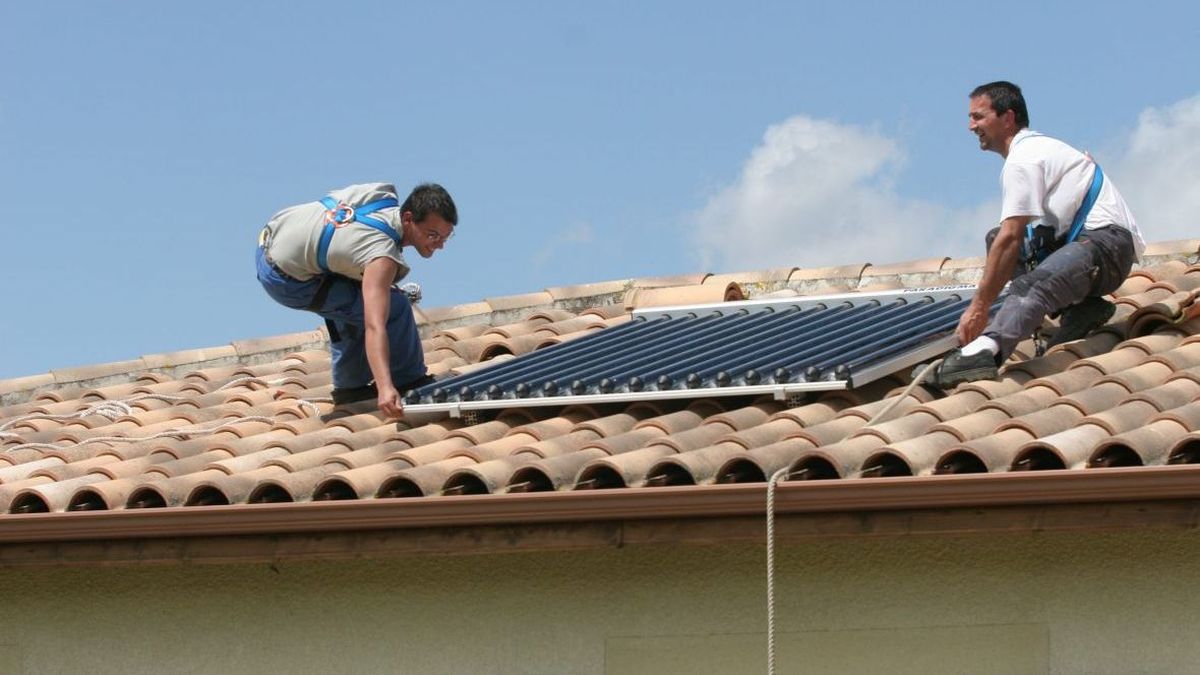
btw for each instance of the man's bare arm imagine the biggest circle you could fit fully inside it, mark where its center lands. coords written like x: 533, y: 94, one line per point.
x: 377, y: 295
x: 1001, y: 260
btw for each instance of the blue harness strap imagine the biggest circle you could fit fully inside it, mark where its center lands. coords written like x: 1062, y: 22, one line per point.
x: 1086, y: 207
x: 339, y: 214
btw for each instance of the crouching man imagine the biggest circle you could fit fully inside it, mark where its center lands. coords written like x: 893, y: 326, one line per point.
x: 1084, y: 247
x: 339, y: 257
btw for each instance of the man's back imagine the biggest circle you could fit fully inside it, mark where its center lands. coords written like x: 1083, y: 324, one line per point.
x: 1047, y: 179
x: 296, y: 231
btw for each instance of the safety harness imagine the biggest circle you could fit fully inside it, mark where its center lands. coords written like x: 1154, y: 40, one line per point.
x: 1042, y: 240
x: 340, y: 214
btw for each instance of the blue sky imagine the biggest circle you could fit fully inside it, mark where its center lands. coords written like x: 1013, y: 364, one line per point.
x: 143, y: 144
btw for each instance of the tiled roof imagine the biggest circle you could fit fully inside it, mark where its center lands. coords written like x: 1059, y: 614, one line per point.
x: 252, y: 422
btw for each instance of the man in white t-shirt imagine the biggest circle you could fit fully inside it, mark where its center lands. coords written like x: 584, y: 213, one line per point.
x: 1048, y: 183
x: 339, y: 257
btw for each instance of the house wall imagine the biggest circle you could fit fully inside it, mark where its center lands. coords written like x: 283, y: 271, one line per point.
x: 1016, y: 603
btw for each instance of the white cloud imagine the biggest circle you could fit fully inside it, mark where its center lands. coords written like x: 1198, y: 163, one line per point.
x: 816, y: 193
x: 1160, y: 170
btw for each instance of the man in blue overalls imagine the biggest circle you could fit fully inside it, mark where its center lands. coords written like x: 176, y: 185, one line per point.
x: 340, y: 257
x: 1083, y: 248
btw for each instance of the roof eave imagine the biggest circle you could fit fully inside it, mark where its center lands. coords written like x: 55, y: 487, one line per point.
x: 875, y: 506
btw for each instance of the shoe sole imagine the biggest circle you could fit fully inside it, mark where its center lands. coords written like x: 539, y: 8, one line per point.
x: 972, y: 375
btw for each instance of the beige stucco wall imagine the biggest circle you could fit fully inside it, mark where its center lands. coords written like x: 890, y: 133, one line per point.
x: 1050, y: 603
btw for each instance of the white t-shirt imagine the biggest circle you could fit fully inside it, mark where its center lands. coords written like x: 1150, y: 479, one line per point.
x: 296, y: 231
x: 1046, y: 179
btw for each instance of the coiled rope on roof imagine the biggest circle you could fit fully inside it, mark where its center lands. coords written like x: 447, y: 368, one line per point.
x: 114, y: 409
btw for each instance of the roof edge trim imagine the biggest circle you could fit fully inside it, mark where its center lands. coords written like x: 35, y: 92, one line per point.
x: 1113, y: 485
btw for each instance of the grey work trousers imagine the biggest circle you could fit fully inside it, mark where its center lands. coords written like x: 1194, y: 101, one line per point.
x: 1095, y: 264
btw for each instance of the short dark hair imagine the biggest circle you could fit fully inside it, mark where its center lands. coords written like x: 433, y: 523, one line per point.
x: 1005, y: 96
x: 429, y: 198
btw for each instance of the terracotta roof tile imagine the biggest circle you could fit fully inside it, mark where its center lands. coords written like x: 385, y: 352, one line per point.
x: 457, y: 313
x: 360, y: 483
x: 846, y: 457
x: 901, y: 275
x: 421, y: 481
x: 1007, y: 383
x: 993, y: 452
x: 694, y: 467
x: 361, y: 456
x: 553, y: 473
x: 50, y: 496
x: 921, y: 453
x: 974, y: 425
x: 625, y: 470
x: 1143, y: 446
x: 831, y: 431
x: 759, y: 464
x: 1186, y: 450
x: 851, y: 274
x: 292, y: 341
x: 671, y: 280
x: 487, y: 477
x: 464, y: 332
x: 904, y: 428
x: 587, y: 291
x: 27, y: 383
x: 297, y: 486
x: 1186, y: 247
x: 641, y: 298
x: 954, y: 265
x: 511, y: 302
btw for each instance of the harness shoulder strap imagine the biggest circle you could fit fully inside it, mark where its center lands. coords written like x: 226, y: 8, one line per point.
x: 341, y: 214
x: 1089, y: 200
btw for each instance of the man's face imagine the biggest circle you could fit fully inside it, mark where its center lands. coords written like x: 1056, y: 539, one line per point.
x: 994, y: 131
x: 427, y: 236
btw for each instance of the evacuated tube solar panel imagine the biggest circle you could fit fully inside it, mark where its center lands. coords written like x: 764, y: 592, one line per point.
x: 716, y: 347
x: 869, y: 342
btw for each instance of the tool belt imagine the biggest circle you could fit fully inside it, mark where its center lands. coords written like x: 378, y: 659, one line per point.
x: 1040, y: 241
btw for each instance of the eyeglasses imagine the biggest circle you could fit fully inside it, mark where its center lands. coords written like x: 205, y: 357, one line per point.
x: 434, y: 236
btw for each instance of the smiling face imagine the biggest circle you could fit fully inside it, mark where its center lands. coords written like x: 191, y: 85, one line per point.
x: 995, y: 132
x: 428, y: 235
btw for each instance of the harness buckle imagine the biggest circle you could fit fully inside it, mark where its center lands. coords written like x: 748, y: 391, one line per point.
x: 342, y: 214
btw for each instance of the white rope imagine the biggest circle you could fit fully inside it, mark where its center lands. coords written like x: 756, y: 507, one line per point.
x: 780, y: 475
x: 110, y: 409
x: 252, y: 378
x: 114, y: 409
x: 187, y: 432
x: 771, y: 568
x: 310, y: 406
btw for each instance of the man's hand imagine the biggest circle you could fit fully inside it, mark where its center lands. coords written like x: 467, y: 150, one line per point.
x: 390, y: 403
x: 972, y: 323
